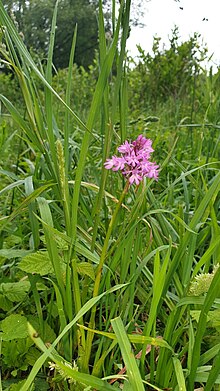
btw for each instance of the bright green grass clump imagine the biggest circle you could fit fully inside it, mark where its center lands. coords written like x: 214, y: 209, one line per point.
x: 102, y: 273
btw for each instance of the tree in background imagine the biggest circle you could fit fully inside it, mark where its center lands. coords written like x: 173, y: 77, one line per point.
x: 168, y: 72
x: 34, y: 17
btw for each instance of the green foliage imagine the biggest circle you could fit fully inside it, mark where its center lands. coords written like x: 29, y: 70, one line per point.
x: 15, y: 291
x: 83, y: 84
x: 86, y: 269
x: 167, y: 74
x: 10, y: 88
x: 38, y: 385
x: 14, y: 355
x: 105, y: 275
x: 38, y: 262
x: 13, y: 327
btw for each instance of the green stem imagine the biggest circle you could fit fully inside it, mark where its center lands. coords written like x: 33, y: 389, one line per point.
x: 90, y: 334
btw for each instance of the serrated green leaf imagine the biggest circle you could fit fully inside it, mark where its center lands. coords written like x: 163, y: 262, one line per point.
x: 32, y: 355
x: 86, y: 268
x: 38, y: 262
x: 14, y: 352
x: 5, y: 304
x: 15, y: 291
x: 14, y: 327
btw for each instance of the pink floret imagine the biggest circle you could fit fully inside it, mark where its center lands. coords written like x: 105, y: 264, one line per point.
x: 142, y: 143
x: 115, y: 163
x: 151, y: 170
x: 132, y: 159
x: 125, y: 148
x: 135, y: 177
x: 109, y: 164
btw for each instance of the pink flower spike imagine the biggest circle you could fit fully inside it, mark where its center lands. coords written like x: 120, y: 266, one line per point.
x: 134, y: 162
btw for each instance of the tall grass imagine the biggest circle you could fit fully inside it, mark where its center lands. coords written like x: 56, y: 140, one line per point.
x: 123, y: 261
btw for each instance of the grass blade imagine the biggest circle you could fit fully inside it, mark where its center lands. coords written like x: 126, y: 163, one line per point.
x: 128, y: 357
x: 179, y: 374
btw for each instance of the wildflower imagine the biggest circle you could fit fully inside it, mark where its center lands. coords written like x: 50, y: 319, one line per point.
x: 202, y: 282
x: 134, y: 161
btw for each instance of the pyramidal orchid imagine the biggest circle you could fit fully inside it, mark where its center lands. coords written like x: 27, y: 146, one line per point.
x: 134, y: 162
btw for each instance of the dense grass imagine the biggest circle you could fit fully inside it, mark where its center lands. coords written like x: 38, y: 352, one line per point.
x: 95, y: 276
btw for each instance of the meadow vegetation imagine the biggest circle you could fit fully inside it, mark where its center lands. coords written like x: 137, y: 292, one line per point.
x: 106, y: 285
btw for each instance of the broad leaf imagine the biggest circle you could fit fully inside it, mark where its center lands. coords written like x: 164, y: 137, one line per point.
x: 15, y: 291
x: 14, y: 327
x: 38, y: 262
x: 86, y: 268
x: 5, y: 304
